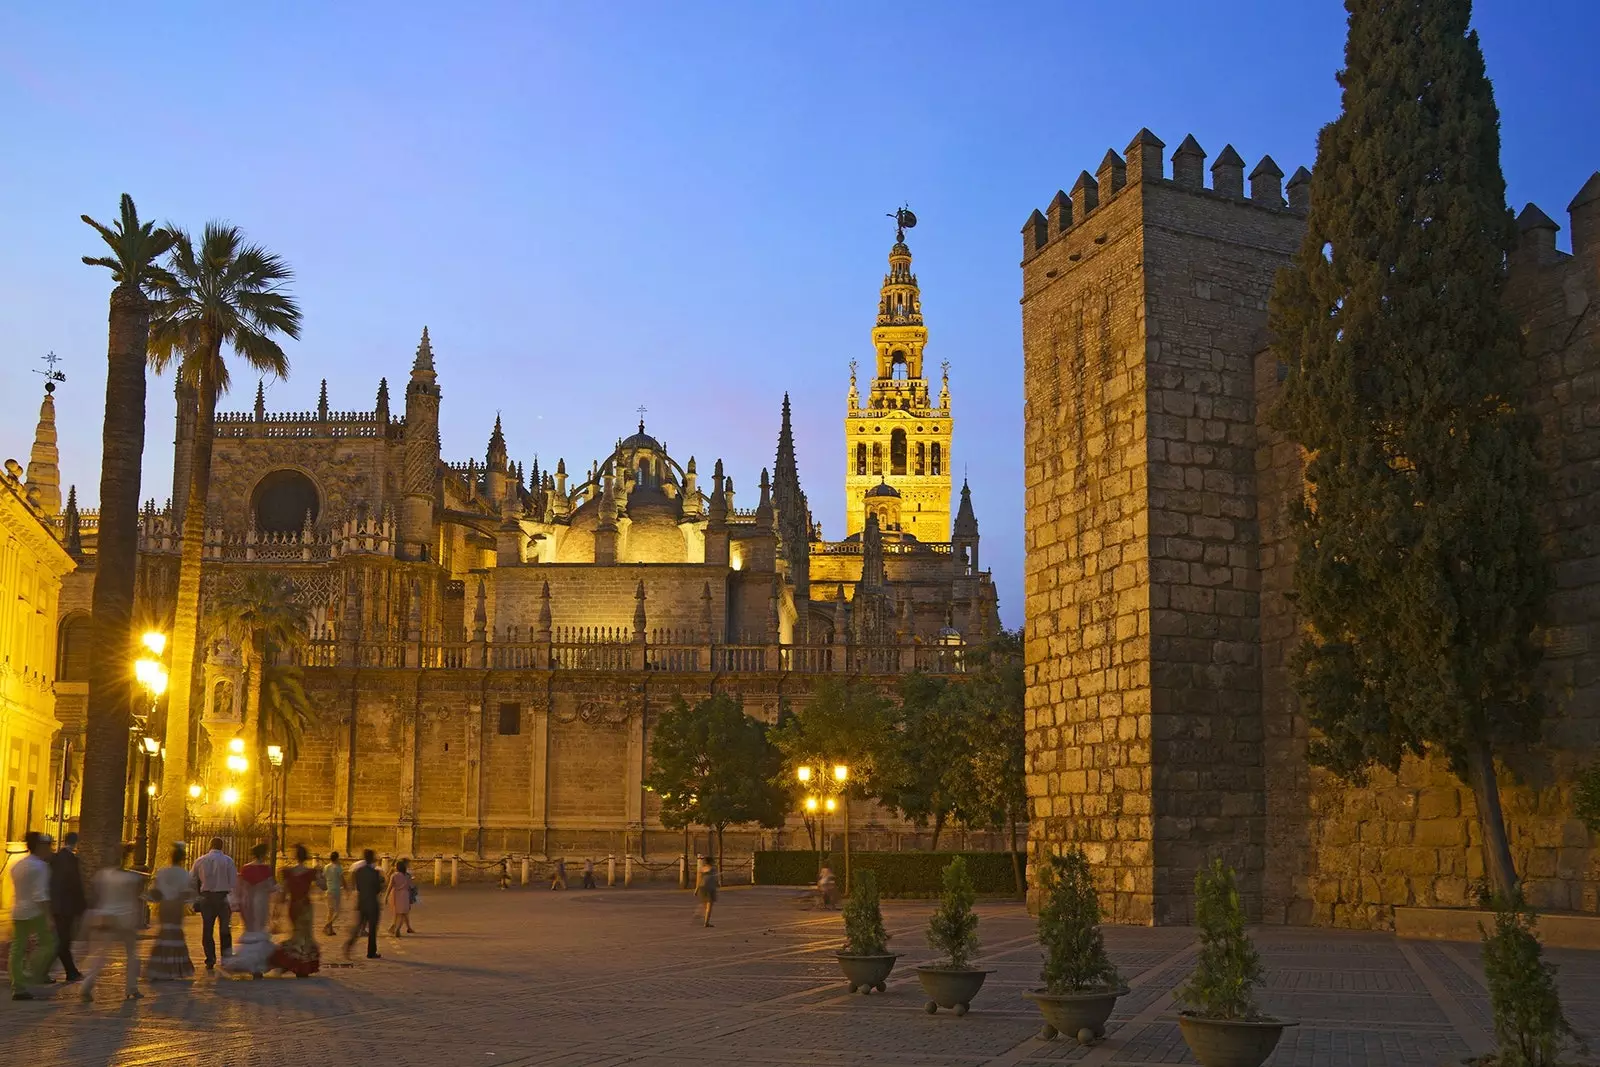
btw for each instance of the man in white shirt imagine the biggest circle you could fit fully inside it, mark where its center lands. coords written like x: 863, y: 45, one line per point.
x: 115, y: 917
x: 214, y: 878
x: 30, y: 916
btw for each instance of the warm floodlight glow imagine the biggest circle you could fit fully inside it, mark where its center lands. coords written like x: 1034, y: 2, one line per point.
x: 151, y: 789
x: 238, y: 764
x: 803, y: 773
x: 830, y: 805
x: 236, y: 745
x: 811, y: 803
x: 275, y: 755
x: 152, y: 745
x: 155, y: 641
x: 195, y: 791
x: 840, y: 772
x: 230, y: 795
x: 151, y: 674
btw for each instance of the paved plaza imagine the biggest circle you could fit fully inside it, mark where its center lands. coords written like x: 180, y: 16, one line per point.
x: 611, y: 977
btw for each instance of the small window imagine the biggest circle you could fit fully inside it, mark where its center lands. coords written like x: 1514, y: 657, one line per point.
x: 510, y: 720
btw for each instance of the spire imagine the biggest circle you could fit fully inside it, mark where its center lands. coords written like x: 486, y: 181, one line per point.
x: 44, y: 473
x: 383, y: 403
x: 71, y: 525
x: 872, y: 576
x: 424, y: 362
x: 966, y: 522
x: 764, y: 514
x: 496, y: 458
x: 261, y: 399
x: 322, y: 402
x: 638, y: 610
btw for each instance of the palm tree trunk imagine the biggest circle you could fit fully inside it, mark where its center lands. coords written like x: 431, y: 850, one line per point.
x: 1497, y: 861
x: 186, y: 619
x: 105, y: 756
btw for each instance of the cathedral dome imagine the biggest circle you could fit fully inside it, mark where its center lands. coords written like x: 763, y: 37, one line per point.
x: 653, y: 534
x: 883, y: 489
x: 641, y: 440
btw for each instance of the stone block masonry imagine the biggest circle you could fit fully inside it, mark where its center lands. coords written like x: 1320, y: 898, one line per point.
x: 1161, y: 724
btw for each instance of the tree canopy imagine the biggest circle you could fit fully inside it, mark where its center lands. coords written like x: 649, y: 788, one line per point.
x: 712, y: 765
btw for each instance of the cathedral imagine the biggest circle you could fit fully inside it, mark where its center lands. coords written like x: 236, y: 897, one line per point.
x: 491, y: 640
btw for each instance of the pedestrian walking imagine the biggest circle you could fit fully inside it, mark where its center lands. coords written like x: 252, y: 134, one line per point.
x: 368, y: 882
x: 299, y: 954
x: 588, y: 874
x: 705, y: 885
x: 828, y: 888
x: 558, y: 877
x: 173, y: 891
x: 402, y: 894
x: 215, y: 877
x: 115, y: 920
x: 67, y: 902
x: 252, y: 898
x: 331, y: 879
x: 30, y: 916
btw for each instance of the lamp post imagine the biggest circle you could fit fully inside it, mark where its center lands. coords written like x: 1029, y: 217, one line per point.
x: 820, y: 805
x: 237, y: 765
x: 151, y: 674
x: 275, y: 757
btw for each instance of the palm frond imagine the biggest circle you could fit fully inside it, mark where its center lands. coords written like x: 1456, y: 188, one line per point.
x: 135, y: 246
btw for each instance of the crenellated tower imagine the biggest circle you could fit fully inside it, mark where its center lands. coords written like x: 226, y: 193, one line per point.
x: 418, y: 510
x: 902, y: 435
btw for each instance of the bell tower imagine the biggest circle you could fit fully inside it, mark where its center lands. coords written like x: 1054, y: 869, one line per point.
x: 901, y: 437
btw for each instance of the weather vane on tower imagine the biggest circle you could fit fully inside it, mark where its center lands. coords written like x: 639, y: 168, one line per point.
x: 903, y: 221
x: 51, y: 376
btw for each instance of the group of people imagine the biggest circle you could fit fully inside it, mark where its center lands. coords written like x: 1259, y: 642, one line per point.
x: 51, y: 908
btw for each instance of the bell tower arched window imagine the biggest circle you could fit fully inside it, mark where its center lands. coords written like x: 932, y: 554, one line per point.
x: 922, y: 459
x: 938, y: 466
x: 861, y: 458
x: 897, y: 452
x: 877, y: 458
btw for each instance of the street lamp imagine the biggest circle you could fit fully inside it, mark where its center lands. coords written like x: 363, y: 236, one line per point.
x: 841, y: 779
x: 230, y: 796
x: 195, y: 790
x: 151, y: 674
x: 275, y: 757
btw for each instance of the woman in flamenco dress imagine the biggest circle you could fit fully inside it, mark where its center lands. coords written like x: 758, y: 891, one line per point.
x: 299, y: 955
x: 252, y: 898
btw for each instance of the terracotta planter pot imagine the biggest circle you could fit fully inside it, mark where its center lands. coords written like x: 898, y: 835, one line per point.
x: 951, y: 987
x: 1230, y: 1042
x: 866, y: 973
x: 1079, y: 1015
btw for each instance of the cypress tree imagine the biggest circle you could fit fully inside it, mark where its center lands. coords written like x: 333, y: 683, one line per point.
x: 1419, y: 576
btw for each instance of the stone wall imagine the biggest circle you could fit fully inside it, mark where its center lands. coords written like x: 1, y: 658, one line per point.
x: 346, y: 471
x: 602, y: 596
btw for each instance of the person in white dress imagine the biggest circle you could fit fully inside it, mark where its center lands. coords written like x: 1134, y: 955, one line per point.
x: 252, y: 899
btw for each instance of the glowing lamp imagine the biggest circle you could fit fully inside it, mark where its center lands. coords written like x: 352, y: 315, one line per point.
x: 238, y: 764
x: 230, y: 796
x: 155, y: 641
x: 830, y: 805
x: 152, y: 745
x: 151, y: 674
x: 194, y: 791
x: 840, y: 772
x: 803, y: 773
x: 151, y: 789
x: 275, y: 755
x: 811, y: 803
x: 236, y: 745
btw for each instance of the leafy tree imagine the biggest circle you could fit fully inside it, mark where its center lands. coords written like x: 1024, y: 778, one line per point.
x: 927, y: 773
x: 263, y: 620
x: 864, y: 933
x: 223, y: 293
x: 953, y: 929
x: 845, y: 722
x: 713, y: 766
x: 1228, y: 968
x: 1418, y: 572
x: 998, y: 796
x: 1528, y: 1020
x: 1075, y: 959
x: 135, y: 247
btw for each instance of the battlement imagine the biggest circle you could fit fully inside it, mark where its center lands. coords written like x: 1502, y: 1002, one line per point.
x: 1536, y: 231
x: 1143, y: 165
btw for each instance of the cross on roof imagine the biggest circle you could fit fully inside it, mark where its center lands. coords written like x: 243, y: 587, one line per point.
x: 641, y: 409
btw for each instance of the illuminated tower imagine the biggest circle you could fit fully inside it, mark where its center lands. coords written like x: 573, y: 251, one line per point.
x: 901, y: 437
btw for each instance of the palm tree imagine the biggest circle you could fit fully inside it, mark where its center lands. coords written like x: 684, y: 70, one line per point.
x: 263, y: 621
x: 224, y: 293
x: 135, y: 247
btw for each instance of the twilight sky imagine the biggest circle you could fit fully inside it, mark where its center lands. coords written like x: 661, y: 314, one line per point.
x: 680, y: 205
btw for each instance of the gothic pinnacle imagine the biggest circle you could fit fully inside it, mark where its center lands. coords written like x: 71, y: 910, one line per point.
x: 424, y: 361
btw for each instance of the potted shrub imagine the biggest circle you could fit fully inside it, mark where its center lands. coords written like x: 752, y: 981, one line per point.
x: 1081, y: 985
x: 865, y: 957
x: 951, y: 981
x: 1224, y: 1027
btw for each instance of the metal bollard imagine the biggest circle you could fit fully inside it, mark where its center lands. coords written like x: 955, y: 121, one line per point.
x: 438, y: 868
x: 681, y: 883
x: 524, y: 870
x: 455, y: 870
x: 627, y: 871
x: 611, y: 871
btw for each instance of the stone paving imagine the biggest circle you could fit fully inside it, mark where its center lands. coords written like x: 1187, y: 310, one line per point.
x: 611, y: 977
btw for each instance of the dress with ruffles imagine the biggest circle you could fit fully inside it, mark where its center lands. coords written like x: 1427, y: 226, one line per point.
x: 172, y: 890
x: 252, y: 899
x: 299, y: 955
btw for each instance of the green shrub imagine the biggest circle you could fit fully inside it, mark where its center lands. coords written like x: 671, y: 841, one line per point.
x: 1075, y: 958
x: 1228, y: 970
x: 1528, y: 1021
x: 1586, y: 798
x: 900, y: 874
x: 864, y: 934
x: 953, y: 930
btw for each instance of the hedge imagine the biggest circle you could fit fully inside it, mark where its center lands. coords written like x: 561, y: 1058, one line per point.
x: 900, y: 874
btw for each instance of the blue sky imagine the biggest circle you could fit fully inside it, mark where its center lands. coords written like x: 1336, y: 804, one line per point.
x: 680, y: 205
